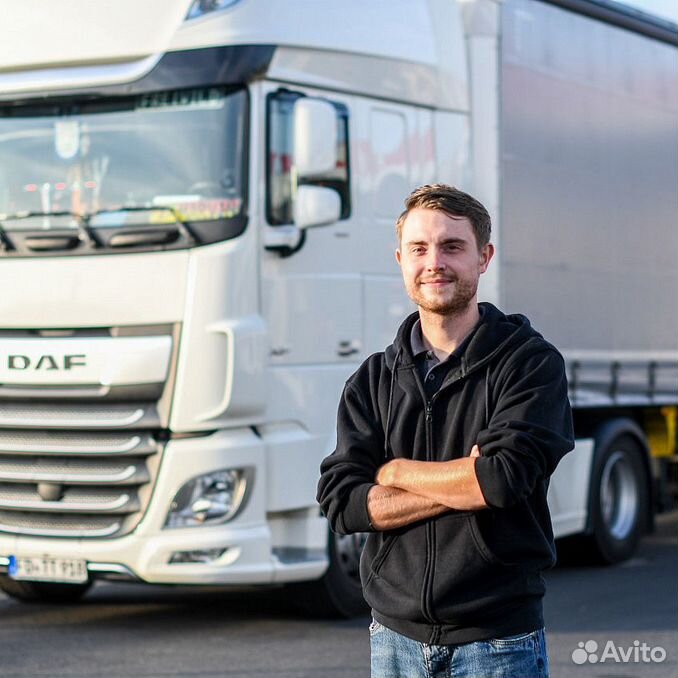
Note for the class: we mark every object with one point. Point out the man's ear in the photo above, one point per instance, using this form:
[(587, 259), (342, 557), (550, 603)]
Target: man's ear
[(398, 256), (486, 254)]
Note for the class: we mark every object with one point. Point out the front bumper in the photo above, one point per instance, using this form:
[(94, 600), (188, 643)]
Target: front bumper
[(144, 555)]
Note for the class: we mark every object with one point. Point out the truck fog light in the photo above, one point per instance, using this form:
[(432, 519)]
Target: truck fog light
[(197, 556), (210, 499)]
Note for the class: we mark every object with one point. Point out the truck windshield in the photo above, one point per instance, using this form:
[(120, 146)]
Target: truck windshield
[(153, 159)]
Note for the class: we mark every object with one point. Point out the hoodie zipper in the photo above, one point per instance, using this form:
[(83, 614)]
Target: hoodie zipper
[(427, 584), (427, 592), (431, 538)]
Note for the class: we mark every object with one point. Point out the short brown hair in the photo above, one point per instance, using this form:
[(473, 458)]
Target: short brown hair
[(454, 203)]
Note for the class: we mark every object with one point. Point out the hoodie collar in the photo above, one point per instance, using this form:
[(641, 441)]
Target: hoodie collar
[(494, 334), (417, 340)]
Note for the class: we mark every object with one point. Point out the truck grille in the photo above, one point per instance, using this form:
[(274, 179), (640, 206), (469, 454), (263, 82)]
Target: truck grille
[(56, 483), (80, 452)]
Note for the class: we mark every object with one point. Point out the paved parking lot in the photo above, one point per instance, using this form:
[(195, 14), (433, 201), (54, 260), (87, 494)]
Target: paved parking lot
[(120, 631)]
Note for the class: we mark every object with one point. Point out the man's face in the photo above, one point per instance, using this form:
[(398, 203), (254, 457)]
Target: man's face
[(440, 261)]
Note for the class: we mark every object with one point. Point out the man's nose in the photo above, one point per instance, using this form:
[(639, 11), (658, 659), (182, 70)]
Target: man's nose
[(434, 260)]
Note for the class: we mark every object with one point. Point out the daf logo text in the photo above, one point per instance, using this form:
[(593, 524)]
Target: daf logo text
[(46, 362)]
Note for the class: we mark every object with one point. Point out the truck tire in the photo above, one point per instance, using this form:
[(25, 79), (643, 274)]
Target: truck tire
[(42, 592), (619, 500), (338, 593)]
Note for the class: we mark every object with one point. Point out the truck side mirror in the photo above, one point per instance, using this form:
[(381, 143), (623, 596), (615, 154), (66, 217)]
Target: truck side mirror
[(316, 206), (315, 137), (302, 175)]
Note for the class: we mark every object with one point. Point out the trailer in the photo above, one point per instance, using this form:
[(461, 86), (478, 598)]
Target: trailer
[(197, 207)]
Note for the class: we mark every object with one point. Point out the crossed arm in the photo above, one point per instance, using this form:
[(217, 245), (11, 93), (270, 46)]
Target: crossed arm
[(407, 491)]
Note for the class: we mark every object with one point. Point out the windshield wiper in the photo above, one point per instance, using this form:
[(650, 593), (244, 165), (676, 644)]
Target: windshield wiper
[(126, 239), (84, 232)]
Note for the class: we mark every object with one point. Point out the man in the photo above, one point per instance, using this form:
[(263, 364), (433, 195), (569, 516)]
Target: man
[(445, 445)]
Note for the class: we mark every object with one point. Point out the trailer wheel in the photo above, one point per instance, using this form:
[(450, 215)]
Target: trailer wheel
[(338, 593), (43, 592), (619, 500)]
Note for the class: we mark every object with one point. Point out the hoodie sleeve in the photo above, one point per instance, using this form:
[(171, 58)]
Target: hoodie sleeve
[(529, 431), (348, 473)]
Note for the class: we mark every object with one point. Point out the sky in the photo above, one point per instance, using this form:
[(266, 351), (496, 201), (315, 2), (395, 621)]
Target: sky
[(667, 9)]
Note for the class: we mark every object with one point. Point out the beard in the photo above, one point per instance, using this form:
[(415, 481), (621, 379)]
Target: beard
[(453, 300)]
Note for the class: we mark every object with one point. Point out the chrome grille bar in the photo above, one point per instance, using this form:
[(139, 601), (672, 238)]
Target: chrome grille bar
[(80, 416), (75, 472), (73, 501), (59, 442), (45, 525)]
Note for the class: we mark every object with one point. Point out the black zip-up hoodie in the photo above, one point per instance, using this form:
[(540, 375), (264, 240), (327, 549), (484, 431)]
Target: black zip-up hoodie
[(465, 575)]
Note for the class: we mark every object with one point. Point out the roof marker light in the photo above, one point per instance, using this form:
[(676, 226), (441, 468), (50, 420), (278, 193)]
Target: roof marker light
[(201, 7)]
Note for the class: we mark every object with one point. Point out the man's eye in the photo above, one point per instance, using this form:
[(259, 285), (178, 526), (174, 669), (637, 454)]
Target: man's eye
[(417, 250)]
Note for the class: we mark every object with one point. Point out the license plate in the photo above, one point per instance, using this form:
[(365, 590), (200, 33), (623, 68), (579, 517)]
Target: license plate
[(47, 568)]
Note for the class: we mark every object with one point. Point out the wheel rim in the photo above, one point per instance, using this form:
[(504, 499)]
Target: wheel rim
[(348, 548), (618, 495)]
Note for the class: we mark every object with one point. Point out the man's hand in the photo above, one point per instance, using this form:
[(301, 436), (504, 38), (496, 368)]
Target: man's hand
[(451, 483)]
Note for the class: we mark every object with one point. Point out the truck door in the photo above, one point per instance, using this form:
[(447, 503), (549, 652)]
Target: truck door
[(311, 287)]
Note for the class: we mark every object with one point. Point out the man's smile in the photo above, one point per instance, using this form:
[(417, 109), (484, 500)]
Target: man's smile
[(437, 281)]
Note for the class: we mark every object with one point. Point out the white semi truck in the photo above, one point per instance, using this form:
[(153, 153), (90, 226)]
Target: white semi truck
[(197, 206)]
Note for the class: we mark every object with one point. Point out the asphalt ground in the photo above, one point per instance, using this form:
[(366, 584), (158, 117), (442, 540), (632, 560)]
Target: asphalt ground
[(120, 631), (634, 601)]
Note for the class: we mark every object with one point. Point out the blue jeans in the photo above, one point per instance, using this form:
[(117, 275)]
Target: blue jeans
[(395, 656)]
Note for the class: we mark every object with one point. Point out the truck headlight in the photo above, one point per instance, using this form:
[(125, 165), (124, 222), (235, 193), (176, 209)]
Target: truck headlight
[(214, 497)]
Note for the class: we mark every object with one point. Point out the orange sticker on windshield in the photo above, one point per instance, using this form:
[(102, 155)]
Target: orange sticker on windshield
[(200, 210)]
